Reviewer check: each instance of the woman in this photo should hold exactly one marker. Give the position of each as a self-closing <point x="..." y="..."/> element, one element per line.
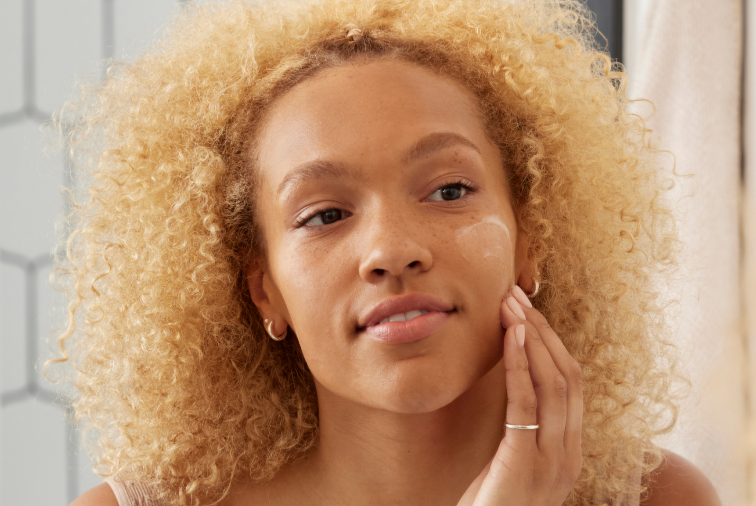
<point x="299" y="277"/>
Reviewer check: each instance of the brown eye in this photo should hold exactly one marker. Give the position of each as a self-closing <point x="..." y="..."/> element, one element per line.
<point x="449" y="192"/>
<point x="330" y="216"/>
<point x="324" y="218"/>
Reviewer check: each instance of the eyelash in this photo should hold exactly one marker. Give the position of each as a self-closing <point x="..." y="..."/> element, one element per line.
<point x="464" y="183"/>
<point x="303" y="220"/>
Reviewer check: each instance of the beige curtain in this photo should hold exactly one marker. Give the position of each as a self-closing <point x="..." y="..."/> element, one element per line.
<point x="687" y="59"/>
<point x="749" y="241"/>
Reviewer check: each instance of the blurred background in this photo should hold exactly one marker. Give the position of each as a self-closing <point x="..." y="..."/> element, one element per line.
<point x="693" y="60"/>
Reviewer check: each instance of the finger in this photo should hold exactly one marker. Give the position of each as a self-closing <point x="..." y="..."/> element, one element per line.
<point x="522" y="403"/>
<point x="514" y="458"/>
<point x="570" y="370"/>
<point x="548" y="383"/>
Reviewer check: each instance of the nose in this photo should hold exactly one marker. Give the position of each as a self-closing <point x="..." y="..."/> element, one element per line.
<point x="393" y="249"/>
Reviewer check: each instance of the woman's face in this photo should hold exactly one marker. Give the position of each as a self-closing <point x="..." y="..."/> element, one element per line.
<point x="382" y="195"/>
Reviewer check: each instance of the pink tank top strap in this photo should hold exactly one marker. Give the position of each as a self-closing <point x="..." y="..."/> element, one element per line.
<point x="132" y="493"/>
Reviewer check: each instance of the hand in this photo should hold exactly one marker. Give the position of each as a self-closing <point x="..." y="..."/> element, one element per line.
<point x="534" y="467"/>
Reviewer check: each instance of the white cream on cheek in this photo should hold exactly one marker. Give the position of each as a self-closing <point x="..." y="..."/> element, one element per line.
<point x="489" y="240"/>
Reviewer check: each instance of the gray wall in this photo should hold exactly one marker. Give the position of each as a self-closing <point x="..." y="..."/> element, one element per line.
<point x="44" y="46"/>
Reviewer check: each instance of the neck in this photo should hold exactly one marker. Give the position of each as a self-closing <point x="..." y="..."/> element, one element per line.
<point x="373" y="456"/>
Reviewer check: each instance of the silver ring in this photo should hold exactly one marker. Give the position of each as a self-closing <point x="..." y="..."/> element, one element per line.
<point x="510" y="426"/>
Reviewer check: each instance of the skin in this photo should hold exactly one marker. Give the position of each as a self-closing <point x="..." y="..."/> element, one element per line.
<point x="396" y="419"/>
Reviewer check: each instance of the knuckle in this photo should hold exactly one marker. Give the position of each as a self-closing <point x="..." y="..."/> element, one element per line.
<point x="525" y="403"/>
<point x="540" y="321"/>
<point x="535" y="337"/>
<point x="529" y="404"/>
<point x="543" y="325"/>
<point x="560" y="386"/>
<point x="520" y="365"/>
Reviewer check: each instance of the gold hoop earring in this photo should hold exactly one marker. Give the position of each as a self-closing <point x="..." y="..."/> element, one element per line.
<point x="531" y="295"/>
<point x="269" y="328"/>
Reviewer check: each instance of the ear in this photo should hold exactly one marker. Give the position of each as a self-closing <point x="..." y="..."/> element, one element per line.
<point x="264" y="293"/>
<point x="525" y="269"/>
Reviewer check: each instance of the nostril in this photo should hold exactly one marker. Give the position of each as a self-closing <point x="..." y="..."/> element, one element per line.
<point x="414" y="264"/>
<point x="379" y="271"/>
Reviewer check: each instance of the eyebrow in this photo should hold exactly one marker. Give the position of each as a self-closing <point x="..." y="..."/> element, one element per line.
<point x="313" y="170"/>
<point x="437" y="141"/>
<point x="325" y="169"/>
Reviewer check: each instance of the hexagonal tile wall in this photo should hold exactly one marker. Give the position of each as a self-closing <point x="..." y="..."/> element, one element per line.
<point x="48" y="47"/>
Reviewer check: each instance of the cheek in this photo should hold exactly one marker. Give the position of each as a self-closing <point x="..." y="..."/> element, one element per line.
<point x="312" y="287"/>
<point x="487" y="252"/>
<point x="487" y="248"/>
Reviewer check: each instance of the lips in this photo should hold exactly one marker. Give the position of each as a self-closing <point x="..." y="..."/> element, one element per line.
<point x="403" y="304"/>
<point x="387" y="322"/>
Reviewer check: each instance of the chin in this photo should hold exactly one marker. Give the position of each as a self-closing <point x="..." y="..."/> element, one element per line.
<point x="420" y="402"/>
<point x="420" y="391"/>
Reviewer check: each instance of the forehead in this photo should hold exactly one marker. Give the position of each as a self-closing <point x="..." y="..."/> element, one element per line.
<point x="362" y="111"/>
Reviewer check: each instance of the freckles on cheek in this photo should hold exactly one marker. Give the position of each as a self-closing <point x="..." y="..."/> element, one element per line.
<point x="489" y="244"/>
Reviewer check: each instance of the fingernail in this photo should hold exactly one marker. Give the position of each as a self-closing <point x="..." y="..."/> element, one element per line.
<point x="520" y="334"/>
<point x="515" y="307"/>
<point x="520" y="296"/>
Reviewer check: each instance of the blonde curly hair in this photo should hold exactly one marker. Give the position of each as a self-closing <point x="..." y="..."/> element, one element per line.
<point x="173" y="367"/>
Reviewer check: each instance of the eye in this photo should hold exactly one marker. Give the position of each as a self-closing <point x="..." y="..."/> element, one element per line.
<point x="320" y="218"/>
<point x="454" y="191"/>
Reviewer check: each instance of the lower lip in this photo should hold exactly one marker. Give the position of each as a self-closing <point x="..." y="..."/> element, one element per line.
<point x="407" y="332"/>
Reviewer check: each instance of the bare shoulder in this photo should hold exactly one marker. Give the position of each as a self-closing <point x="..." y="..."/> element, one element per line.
<point x="101" y="495"/>
<point x="678" y="482"/>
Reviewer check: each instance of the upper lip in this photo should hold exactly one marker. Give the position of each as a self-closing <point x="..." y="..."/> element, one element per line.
<point x="396" y="305"/>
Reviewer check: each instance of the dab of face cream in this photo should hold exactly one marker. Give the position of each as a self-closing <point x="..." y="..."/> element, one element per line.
<point x="487" y="238"/>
